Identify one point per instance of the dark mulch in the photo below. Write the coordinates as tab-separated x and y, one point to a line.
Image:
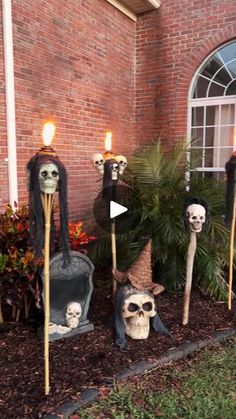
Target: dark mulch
89	359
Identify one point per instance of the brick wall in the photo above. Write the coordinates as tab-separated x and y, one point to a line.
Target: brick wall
3	150
74	63
172	42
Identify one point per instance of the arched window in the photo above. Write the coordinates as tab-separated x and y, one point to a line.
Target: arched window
212	112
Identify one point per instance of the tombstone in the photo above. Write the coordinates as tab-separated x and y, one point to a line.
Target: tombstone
72	284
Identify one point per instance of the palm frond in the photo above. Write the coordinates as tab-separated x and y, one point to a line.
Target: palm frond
159	192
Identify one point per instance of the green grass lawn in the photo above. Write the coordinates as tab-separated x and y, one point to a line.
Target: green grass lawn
204	388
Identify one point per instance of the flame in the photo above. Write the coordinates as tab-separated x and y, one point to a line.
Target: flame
108	143
48	133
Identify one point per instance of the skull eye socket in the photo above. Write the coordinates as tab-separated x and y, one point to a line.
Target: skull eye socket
77	313
147	306
54	173
132	307
44	173
194	217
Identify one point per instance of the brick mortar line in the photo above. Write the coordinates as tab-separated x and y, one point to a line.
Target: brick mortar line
138	368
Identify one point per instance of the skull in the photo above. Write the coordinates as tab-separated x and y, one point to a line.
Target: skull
48	178
73	314
122	161
137	312
98	162
196	216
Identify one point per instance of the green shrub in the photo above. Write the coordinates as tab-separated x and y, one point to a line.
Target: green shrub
159	191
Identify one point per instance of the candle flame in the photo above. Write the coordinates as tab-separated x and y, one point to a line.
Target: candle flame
48	133
108	143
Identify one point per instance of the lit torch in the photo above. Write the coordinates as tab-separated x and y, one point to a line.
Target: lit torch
230	218
108	146
48	132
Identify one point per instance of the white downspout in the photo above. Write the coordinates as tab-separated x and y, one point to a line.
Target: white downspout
10	101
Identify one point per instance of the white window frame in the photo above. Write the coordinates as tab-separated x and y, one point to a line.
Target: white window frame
209	101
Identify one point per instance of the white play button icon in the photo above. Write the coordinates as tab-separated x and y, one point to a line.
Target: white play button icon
116	209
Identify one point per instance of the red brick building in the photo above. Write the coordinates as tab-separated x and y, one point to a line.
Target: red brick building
133	67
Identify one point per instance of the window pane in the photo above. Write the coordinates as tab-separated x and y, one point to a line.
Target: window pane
227	136
227	114
223	77
196	157
215	175
201	88
232	67
208	157
197	116
216	90
211	136
212	115
225	154
197	137
231	90
211	67
228	52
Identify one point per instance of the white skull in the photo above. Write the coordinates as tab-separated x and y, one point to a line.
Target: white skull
114	171
122	161
196	215
98	162
48	177
73	314
137	312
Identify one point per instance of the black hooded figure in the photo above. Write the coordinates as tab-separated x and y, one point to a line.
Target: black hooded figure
109	184
36	214
230	169
121	295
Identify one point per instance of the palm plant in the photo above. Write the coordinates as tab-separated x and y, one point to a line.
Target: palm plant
160	189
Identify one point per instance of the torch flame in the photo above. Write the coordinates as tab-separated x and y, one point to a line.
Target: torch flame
108	144
48	133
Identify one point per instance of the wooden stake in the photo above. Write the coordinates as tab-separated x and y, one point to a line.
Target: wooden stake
113	250
231	254
189	275
47	201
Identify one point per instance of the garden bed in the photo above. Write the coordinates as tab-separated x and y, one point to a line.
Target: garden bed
91	359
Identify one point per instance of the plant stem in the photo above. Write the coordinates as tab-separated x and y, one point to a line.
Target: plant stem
13	312
17	314
1	315
27	304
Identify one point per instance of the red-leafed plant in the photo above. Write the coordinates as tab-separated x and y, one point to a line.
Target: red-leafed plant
78	238
19	269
